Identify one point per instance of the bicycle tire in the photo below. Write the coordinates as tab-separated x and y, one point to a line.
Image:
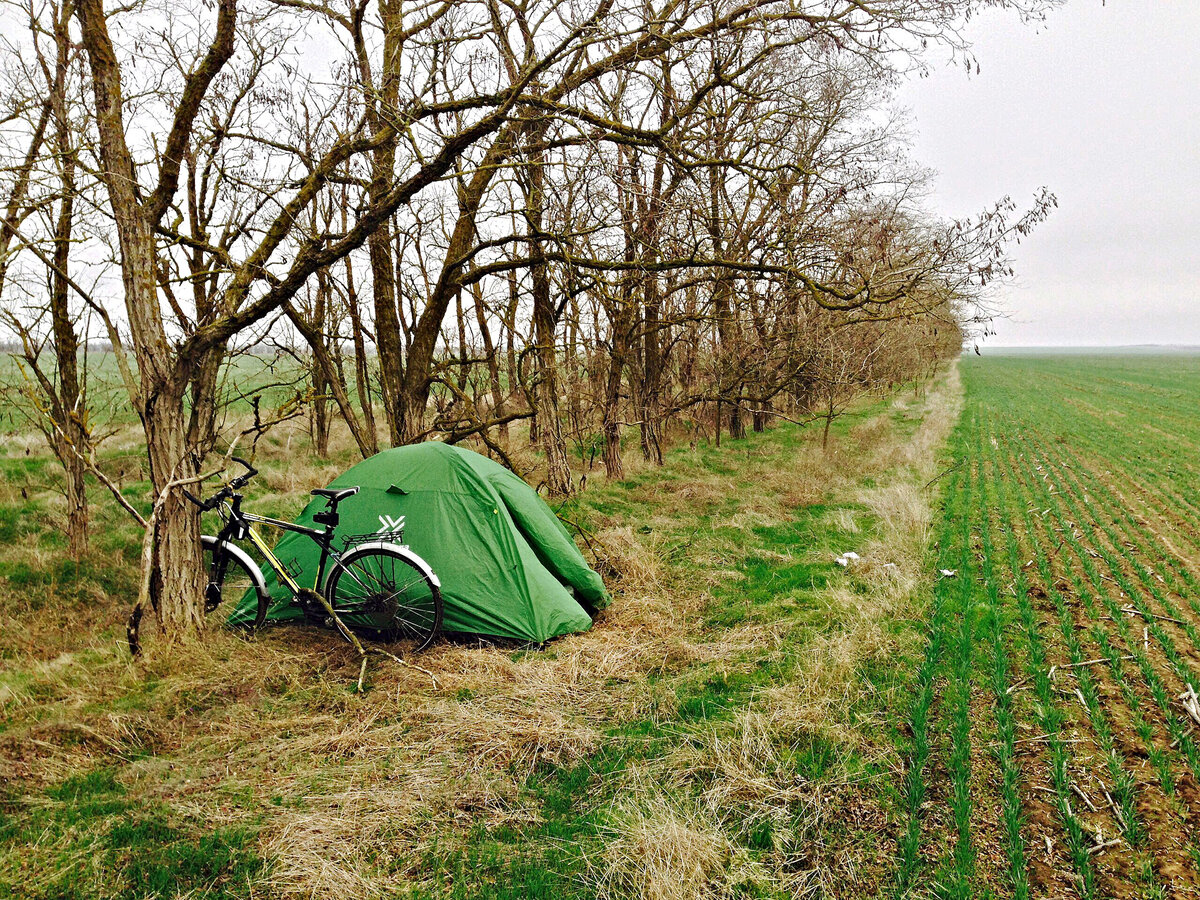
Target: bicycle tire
227	581
386	592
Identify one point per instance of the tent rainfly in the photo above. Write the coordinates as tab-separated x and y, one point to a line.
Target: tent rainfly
507	566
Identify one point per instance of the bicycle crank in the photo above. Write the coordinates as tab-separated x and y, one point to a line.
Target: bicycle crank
313	604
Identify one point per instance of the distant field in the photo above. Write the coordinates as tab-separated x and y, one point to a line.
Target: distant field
1050	751
275	378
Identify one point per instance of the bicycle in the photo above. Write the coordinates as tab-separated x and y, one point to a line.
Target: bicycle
374	582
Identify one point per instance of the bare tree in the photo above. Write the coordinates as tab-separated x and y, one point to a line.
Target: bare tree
243	189
54	390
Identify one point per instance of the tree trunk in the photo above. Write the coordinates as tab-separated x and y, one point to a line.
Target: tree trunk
614	467
369	439
72	437
176	572
575	374
320	417
388	341
510	337
760	418
650	413
419	368
651	217
558	466
737	428
77	506
321	377
622	328
177	576
545	327
493	364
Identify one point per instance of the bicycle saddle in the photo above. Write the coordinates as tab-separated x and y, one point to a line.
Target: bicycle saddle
334	495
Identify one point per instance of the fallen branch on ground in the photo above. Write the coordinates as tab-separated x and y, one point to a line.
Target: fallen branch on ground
1091	662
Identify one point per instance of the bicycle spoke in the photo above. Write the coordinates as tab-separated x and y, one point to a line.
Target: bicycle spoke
383	590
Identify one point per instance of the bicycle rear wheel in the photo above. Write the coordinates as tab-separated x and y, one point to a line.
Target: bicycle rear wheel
227	583
385	591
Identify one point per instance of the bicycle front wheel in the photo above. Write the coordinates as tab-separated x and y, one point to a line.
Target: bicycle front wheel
385	591
229	581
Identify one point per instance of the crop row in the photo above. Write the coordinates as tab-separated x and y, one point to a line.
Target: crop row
1057	652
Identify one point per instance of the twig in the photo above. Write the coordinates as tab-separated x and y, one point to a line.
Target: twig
432	677
1082	702
779	415
1044	738
1116	811
1191	703
1146	615
1016	684
1130	611
1092	662
1100	848
89	463
404	662
942	474
134	622
1084	797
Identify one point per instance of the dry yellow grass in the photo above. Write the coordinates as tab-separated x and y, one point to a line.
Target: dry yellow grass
740	765
364	778
661	849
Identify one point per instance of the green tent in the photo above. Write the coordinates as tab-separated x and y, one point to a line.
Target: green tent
507	566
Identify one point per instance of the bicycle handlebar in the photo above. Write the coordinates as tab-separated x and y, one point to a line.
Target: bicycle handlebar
242	480
210	503
227	490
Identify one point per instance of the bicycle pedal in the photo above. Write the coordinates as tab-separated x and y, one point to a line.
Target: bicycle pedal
310	602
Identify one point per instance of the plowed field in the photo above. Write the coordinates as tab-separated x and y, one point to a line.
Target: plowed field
1054	736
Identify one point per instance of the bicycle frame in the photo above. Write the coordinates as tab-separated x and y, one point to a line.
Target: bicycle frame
240	525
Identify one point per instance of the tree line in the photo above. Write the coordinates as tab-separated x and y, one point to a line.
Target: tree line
587	218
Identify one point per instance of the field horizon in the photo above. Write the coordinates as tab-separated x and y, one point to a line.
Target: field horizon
1089	349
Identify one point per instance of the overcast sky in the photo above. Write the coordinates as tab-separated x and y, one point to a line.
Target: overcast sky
1102	105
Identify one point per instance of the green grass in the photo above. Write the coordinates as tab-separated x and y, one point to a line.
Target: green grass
1041	701
782	573
87	838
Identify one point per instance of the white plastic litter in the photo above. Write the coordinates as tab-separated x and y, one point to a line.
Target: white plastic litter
949	573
